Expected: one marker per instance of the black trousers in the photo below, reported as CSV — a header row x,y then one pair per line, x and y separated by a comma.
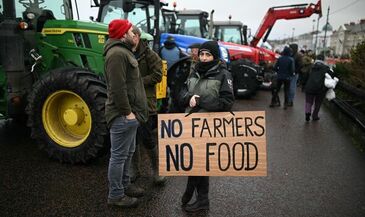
x,y
146,133
275,91
147,137
200,184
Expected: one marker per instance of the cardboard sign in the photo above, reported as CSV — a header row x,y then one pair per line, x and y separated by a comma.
x,y
212,144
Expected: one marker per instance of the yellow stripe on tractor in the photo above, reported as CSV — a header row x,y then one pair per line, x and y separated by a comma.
x,y
161,88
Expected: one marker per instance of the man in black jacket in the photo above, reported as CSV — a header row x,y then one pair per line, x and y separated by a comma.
x,y
285,69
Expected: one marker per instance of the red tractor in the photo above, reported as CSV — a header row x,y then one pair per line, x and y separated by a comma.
x,y
232,33
247,61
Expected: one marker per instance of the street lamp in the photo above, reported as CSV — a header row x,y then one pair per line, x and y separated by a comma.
x,y
292,36
326,28
316,40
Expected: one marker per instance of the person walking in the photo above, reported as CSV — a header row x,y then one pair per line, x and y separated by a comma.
x,y
315,89
298,59
125,108
285,69
209,88
150,67
306,68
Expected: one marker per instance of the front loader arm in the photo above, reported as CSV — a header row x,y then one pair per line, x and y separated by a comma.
x,y
288,12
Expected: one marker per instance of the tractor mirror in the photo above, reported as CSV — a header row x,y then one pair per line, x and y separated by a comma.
x,y
128,6
244,30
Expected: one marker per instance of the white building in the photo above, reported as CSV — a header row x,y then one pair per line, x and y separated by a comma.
x,y
347,37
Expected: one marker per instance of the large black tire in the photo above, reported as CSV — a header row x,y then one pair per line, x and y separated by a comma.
x,y
268,80
84,85
245,78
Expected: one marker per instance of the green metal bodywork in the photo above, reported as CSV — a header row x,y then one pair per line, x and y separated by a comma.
x,y
62,43
76,43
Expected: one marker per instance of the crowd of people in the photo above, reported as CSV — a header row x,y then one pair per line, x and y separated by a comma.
x,y
132,71
302,69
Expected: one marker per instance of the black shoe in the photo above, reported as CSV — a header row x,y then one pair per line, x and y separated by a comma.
x,y
197,206
307,116
316,119
134,191
159,180
186,198
125,201
274,105
290,104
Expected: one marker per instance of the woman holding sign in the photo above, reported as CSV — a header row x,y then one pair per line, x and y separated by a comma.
x,y
209,88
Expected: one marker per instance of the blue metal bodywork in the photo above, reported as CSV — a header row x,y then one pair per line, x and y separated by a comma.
x,y
184,41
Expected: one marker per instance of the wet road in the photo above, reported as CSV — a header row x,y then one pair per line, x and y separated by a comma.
x,y
313,170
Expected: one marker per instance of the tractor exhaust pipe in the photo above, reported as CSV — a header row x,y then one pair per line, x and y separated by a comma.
x,y
9,9
211,24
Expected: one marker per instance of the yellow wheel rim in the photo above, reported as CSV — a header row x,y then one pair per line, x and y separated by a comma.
x,y
66,118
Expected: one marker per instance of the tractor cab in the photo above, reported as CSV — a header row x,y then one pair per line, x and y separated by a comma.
x,y
230,31
193,23
144,14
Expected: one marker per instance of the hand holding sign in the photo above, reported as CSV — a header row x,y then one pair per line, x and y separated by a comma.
x,y
194,101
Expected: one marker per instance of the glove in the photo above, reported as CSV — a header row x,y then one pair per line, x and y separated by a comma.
x,y
193,101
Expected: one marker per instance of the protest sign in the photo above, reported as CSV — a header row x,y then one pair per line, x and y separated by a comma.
x,y
212,144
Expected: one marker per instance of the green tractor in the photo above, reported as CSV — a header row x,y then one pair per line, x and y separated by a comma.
x,y
51,71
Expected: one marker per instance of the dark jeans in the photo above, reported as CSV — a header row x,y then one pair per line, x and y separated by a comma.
x,y
123,143
275,91
316,100
201,184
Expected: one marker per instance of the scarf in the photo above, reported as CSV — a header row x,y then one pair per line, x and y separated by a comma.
x,y
203,67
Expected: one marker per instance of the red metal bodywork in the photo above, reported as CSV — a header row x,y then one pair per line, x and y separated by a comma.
x,y
284,12
259,54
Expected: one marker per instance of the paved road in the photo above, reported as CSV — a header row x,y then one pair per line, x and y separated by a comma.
x,y
313,170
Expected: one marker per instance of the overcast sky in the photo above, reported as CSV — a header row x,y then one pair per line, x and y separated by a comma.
x,y
251,12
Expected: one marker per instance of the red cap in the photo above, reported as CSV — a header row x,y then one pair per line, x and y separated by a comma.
x,y
118,27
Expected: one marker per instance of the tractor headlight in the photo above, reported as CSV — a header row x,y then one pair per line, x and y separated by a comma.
x,y
224,53
30,16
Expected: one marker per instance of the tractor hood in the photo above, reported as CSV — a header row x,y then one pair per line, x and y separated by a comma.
x,y
184,41
62,26
237,51
268,56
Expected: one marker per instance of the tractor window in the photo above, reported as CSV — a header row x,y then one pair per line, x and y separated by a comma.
x,y
151,10
114,10
37,6
229,34
189,26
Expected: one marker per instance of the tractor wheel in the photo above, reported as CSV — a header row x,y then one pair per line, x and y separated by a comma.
x,y
66,114
245,82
